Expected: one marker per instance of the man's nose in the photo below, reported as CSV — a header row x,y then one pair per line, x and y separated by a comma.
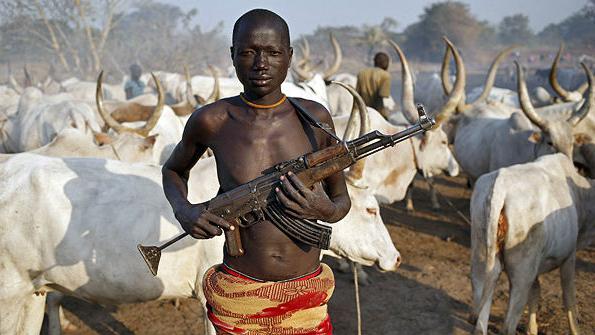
x,y
261,61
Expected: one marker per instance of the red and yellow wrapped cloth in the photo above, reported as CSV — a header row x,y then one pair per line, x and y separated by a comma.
x,y
237,304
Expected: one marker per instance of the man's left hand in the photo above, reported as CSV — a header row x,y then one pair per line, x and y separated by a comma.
x,y
302,202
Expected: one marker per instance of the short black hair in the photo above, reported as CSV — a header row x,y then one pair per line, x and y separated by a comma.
x,y
262,17
381,60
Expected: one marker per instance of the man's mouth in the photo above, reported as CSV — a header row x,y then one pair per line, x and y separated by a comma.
x,y
260,80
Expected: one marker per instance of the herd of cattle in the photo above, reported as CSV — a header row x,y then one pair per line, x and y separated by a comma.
x,y
80,184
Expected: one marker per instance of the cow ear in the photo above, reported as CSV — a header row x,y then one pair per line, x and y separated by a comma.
x,y
424,141
102,138
535,137
582,138
149,141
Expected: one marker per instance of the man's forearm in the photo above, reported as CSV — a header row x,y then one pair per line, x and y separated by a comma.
x,y
342,205
175,188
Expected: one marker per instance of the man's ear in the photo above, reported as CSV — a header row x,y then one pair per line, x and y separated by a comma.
x,y
290,53
231,52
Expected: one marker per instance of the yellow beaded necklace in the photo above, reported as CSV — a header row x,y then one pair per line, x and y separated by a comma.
x,y
253,105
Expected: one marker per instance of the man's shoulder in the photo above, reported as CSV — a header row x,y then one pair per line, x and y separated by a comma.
x,y
211,114
314,108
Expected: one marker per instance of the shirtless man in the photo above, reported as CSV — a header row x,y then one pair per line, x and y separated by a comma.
x,y
249,134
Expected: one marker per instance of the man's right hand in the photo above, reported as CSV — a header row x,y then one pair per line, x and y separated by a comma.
x,y
200,223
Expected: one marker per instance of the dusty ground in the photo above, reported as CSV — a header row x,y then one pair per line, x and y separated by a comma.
x,y
430,294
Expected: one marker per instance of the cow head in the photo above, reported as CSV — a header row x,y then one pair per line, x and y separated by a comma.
x,y
432,154
361,236
555,136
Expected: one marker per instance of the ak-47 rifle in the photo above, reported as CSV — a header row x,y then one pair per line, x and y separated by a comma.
x,y
251,198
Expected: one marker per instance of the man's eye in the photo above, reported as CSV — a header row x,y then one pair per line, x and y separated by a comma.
x,y
275,53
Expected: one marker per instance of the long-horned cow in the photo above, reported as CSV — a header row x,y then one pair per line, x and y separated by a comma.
x,y
526,220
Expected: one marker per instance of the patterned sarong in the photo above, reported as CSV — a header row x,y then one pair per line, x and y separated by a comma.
x,y
237,304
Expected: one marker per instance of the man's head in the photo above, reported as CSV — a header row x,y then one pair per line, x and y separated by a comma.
x,y
381,60
135,71
261,51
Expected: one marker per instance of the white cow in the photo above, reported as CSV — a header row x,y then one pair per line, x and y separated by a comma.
x,y
161,122
89,215
72,142
40,117
527,220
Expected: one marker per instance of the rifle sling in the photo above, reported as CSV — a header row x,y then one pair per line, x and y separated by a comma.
x,y
312,120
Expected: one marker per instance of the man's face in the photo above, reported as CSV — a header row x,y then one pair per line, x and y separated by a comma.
x,y
135,73
261,57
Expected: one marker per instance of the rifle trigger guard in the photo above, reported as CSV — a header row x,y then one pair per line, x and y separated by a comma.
x,y
250,218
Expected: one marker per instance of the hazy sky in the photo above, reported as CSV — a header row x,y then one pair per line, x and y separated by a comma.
x,y
303,16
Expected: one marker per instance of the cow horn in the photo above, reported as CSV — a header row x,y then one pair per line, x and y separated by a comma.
x,y
525,101
407,103
444,72
192,99
305,49
28,77
15,85
356,171
588,103
216,93
301,75
152,122
581,89
489,83
564,94
459,88
119,128
338,59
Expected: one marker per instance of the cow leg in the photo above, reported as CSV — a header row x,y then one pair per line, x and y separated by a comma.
x,y
434,195
483,283
409,199
57,321
343,265
520,285
362,276
22,315
533,307
567,271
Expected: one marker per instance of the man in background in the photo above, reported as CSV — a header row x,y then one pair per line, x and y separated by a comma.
x,y
373,84
134,86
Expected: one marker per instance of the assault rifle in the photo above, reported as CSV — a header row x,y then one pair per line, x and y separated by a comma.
x,y
246,202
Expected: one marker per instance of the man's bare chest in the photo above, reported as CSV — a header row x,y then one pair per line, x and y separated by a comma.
x,y
245,149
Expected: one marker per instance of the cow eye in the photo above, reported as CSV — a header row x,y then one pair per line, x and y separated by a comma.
x,y
372,210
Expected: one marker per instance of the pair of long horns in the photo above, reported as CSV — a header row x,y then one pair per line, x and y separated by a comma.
x,y
359,106
120,128
302,71
455,94
489,82
579,113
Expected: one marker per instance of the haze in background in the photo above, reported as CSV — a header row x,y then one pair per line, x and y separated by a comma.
x,y
304,16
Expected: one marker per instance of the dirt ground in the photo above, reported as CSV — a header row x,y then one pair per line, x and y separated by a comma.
x,y
429,294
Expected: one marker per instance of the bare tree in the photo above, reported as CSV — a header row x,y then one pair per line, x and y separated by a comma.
x,y
76,31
